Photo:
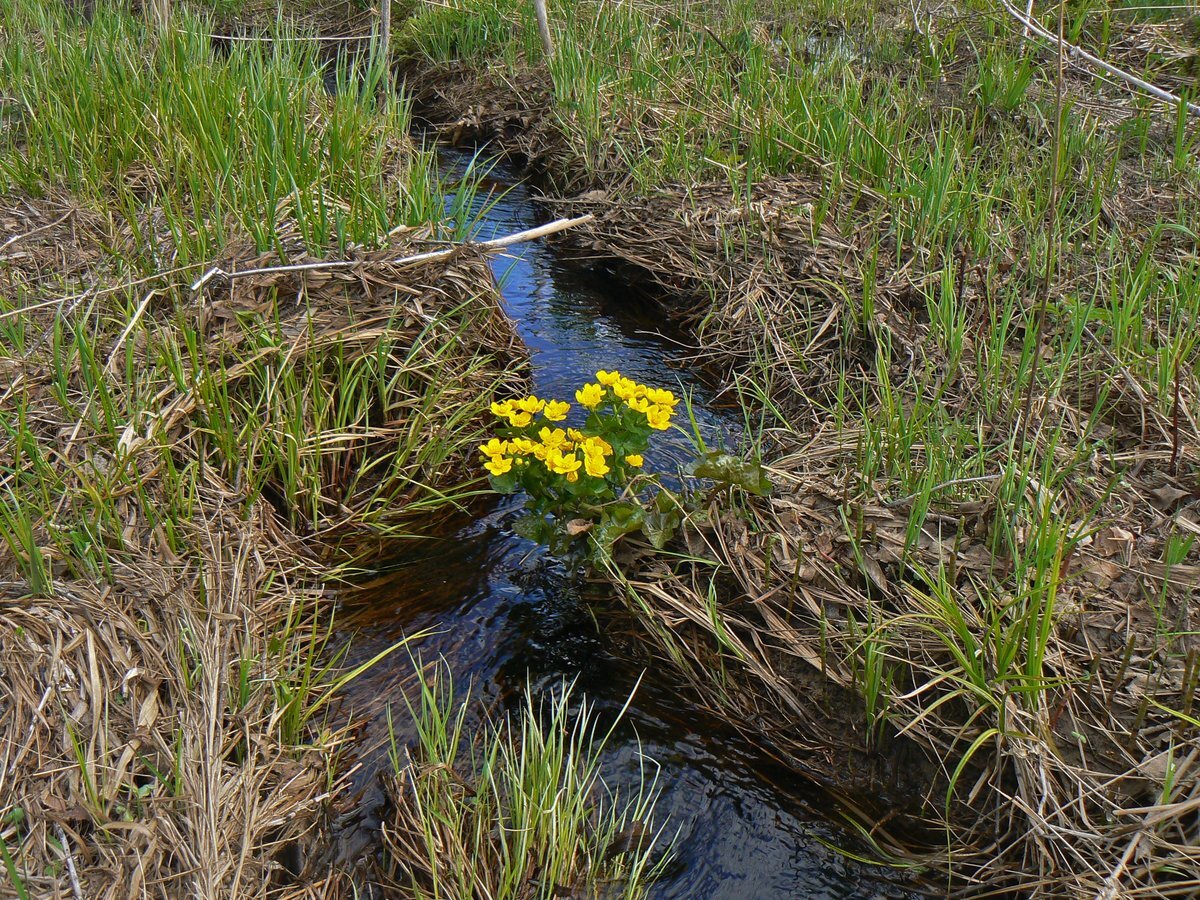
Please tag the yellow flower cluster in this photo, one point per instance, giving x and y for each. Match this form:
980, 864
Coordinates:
520, 413
569, 452
561, 452
656, 404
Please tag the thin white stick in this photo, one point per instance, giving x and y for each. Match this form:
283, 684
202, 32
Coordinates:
134, 319
72, 872
20, 237
531, 234
385, 36
543, 21
1077, 53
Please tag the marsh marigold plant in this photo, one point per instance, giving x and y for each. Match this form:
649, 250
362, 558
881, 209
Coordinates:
573, 473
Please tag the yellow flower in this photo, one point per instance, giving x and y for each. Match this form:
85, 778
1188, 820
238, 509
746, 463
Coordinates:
519, 419
594, 465
608, 379
626, 389
658, 418
661, 397
553, 438
635, 460
502, 410
494, 447
590, 395
530, 404
556, 410
597, 445
521, 445
641, 404
572, 477
499, 465
562, 463
576, 435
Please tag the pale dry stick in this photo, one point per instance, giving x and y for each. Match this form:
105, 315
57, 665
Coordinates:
281, 39
124, 285
133, 320
1076, 53
543, 21
385, 33
1111, 887
520, 237
72, 872
20, 237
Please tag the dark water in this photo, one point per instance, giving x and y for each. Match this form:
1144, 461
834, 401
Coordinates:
508, 619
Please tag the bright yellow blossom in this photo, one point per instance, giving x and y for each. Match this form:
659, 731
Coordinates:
494, 447
608, 379
556, 410
596, 445
521, 445
635, 460
562, 463
502, 410
576, 435
641, 404
595, 465
661, 397
519, 419
658, 418
499, 465
530, 404
590, 395
553, 438
626, 389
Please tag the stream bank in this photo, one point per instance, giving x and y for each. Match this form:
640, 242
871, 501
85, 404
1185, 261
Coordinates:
509, 619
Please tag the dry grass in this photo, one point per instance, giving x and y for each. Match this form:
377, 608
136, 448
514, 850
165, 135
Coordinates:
971, 558
142, 749
163, 629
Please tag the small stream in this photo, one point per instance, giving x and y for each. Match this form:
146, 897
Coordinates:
508, 617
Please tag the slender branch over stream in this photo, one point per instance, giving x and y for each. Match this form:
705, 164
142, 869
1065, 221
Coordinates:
492, 246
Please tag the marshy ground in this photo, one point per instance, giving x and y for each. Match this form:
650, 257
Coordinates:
946, 274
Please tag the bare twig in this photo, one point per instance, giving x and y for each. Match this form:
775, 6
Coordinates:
20, 237
543, 21
385, 34
72, 873
530, 234
1051, 229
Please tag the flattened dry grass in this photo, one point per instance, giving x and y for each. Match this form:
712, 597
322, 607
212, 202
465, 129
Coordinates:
143, 750
984, 524
182, 467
